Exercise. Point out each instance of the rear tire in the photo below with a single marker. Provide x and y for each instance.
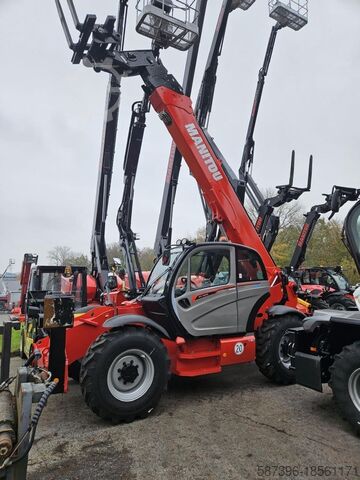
(342, 304)
(124, 373)
(345, 383)
(271, 356)
(319, 304)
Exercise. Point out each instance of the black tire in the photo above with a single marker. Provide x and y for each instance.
(74, 370)
(108, 395)
(319, 304)
(345, 383)
(269, 338)
(341, 303)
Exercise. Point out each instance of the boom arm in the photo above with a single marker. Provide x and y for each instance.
(131, 160)
(99, 260)
(334, 201)
(248, 152)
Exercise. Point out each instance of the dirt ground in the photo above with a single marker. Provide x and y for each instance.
(228, 426)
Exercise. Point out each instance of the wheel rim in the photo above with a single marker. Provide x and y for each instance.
(338, 306)
(130, 375)
(284, 351)
(354, 388)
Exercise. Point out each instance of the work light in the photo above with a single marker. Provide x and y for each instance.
(289, 13)
(170, 23)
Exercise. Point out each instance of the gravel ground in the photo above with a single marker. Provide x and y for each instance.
(225, 426)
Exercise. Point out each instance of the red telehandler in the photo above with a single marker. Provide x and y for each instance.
(326, 348)
(322, 287)
(203, 304)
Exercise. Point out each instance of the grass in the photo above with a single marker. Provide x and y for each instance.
(15, 341)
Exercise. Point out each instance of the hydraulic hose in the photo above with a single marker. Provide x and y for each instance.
(31, 431)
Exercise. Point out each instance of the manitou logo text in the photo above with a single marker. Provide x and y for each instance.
(204, 152)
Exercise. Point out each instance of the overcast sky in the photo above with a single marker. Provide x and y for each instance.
(51, 115)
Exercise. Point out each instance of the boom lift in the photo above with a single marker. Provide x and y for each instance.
(132, 154)
(99, 260)
(202, 111)
(326, 349)
(204, 304)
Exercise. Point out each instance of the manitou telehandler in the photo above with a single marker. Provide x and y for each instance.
(326, 348)
(322, 287)
(203, 304)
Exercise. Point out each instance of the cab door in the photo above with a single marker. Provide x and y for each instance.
(252, 287)
(204, 295)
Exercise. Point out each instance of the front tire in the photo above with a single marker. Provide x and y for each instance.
(345, 383)
(272, 357)
(124, 373)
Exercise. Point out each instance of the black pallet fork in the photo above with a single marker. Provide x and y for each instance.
(267, 224)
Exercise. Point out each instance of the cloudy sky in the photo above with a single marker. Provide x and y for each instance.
(51, 115)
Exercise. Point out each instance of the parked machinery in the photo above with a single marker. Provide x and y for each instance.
(326, 348)
(335, 291)
(203, 303)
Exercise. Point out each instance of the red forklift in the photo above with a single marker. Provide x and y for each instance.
(204, 304)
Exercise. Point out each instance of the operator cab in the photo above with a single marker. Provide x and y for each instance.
(214, 288)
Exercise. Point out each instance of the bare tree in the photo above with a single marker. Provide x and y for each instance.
(291, 214)
(62, 255)
(59, 255)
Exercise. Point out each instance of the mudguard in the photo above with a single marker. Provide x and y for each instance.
(280, 310)
(122, 320)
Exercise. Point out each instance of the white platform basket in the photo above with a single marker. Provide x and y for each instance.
(289, 13)
(169, 23)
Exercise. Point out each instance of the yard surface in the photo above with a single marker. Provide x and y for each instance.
(227, 426)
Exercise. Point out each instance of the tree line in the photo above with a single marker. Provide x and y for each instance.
(325, 248)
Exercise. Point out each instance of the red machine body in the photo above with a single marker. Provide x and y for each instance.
(197, 356)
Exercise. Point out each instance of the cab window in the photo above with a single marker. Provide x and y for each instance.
(209, 268)
(249, 266)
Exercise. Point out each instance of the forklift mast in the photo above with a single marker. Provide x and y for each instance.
(99, 260)
(333, 202)
(175, 110)
(28, 261)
